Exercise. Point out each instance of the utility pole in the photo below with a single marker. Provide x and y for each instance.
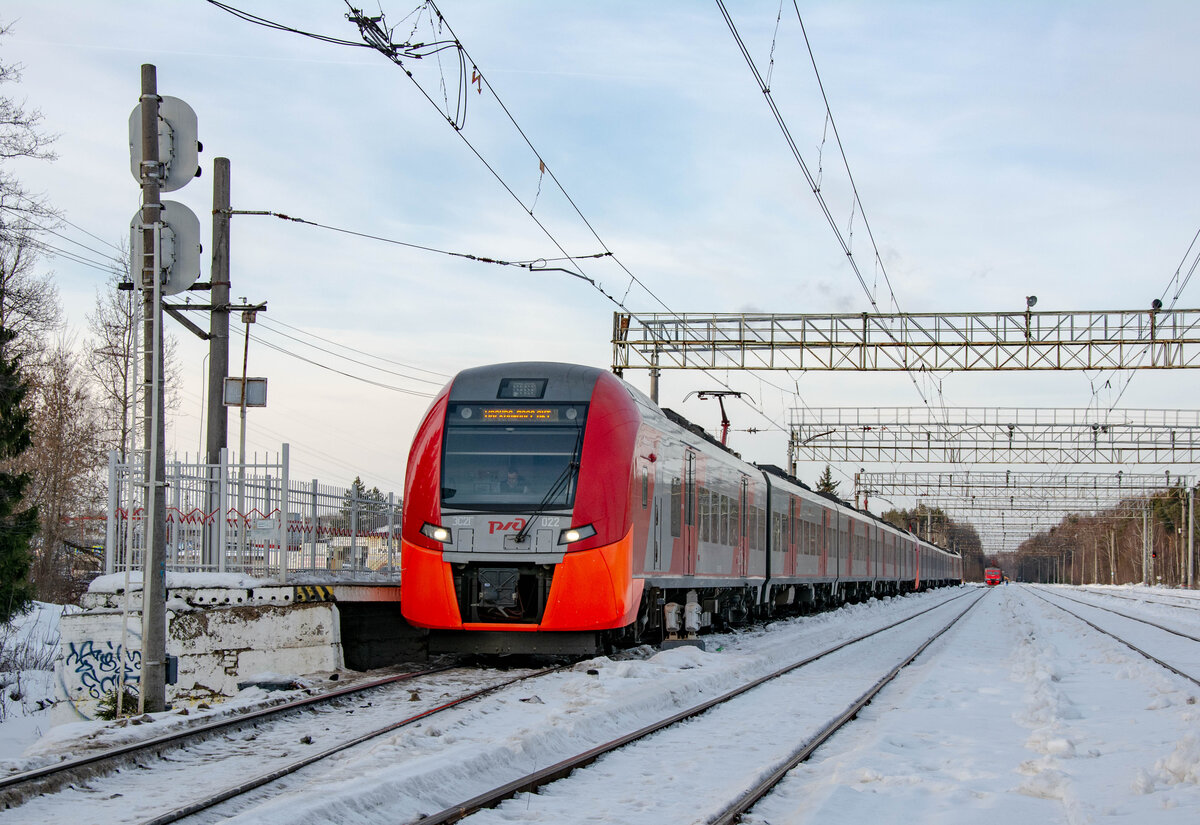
(152, 692)
(218, 323)
(1191, 551)
(218, 355)
(1145, 546)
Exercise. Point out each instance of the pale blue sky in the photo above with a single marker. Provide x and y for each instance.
(1000, 149)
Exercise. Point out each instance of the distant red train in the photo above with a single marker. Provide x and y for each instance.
(992, 576)
(552, 507)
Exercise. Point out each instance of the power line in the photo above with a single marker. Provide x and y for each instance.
(270, 321)
(380, 384)
(58, 252)
(91, 235)
(531, 264)
(355, 361)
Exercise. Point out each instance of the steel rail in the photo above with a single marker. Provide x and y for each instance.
(270, 776)
(1131, 618)
(745, 802)
(1127, 644)
(533, 781)
(1195, 603)
(19, 786)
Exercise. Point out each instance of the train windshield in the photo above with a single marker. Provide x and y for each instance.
(511, 457)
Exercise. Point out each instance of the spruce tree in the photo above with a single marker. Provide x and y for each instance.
(826, 484)
(17, 526)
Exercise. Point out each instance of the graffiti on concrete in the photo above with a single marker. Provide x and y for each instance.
(97, 666)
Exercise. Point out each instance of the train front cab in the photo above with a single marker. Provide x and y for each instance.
(550, 551)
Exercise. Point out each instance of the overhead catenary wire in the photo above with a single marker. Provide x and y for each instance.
(375, 32)
(1174, 299)
(781, 122)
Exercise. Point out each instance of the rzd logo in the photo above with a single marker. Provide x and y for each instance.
(506, 526)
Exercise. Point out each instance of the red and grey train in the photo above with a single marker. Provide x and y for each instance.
(553, 507)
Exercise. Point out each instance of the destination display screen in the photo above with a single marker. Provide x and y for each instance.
(517, 413)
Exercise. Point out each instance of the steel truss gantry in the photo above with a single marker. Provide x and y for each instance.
(1007, 507)
(1047, 485)
(1117, 339)
(995, 435)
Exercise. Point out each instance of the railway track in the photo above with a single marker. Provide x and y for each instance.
(86, 772)
(1182, 602)
(1139, 648)
(813, 740)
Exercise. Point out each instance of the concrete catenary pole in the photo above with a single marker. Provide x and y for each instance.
(1191, 553)
(218, 324)
(218, 357)
(1145, 546)
(152, 692)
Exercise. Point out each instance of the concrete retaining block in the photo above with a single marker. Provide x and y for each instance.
(217, 645)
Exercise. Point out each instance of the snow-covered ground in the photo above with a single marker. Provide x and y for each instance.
(28, 646)
(1020, 712)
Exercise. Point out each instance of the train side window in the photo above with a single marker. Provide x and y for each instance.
(645, 487)
(676, 507)
(703, 513)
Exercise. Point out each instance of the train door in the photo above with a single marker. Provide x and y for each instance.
(742, 552)
(846, 545)
(828, 551)
(656, 525)
(792, 542)
(690, 538)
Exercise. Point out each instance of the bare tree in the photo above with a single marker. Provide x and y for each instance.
(65, 464)
(112, 352)
(21, 136)
(110, 361)
(29, 303)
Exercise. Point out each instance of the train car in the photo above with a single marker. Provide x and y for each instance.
(554, 508)
(992, 576)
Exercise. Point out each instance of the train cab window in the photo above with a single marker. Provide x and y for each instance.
(512, 456)
(676, 507)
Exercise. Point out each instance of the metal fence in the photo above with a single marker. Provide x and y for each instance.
(234, 518)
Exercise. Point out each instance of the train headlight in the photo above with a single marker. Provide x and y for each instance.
(574, 534)
(436, 532)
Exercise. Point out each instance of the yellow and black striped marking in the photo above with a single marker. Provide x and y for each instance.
(313, 593)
